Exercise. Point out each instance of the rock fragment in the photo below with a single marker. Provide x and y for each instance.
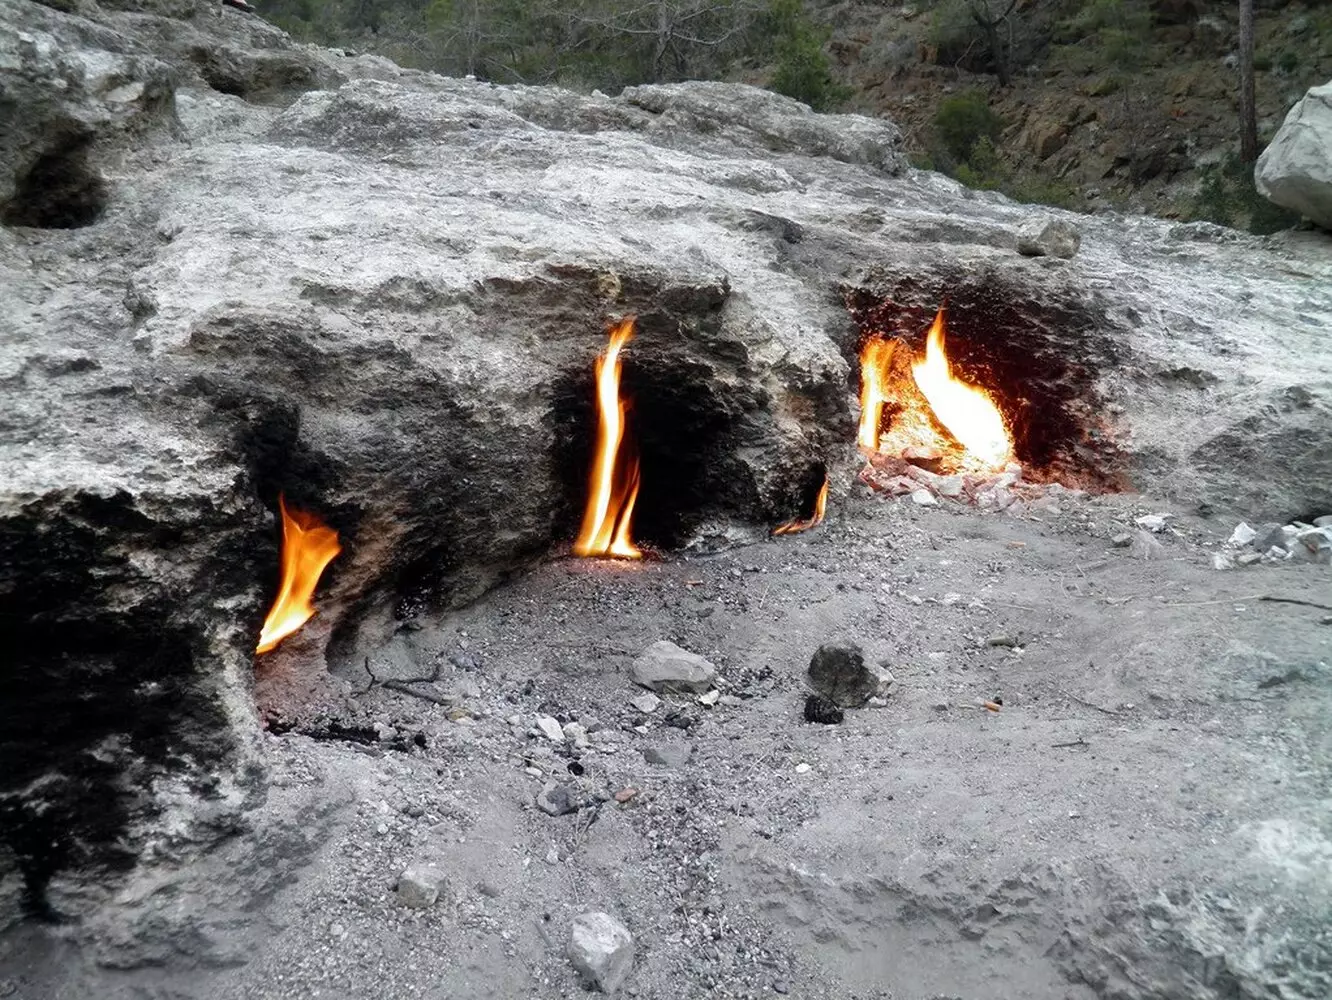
(669, 755)
(1050, 238)
(419, 885)
(646, 703)
(551, 729)
(839, 673)
(664, 666)
(822, 710)
(601, 950)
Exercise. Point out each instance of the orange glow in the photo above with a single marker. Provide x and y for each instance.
(308, 545)
(613, 486)
(968, 412)
(875, 359)
(804, 524)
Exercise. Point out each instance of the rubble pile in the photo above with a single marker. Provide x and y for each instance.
(1273, 543)
(990, 491)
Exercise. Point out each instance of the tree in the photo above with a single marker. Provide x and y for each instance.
(989, 16)
(1248, 113)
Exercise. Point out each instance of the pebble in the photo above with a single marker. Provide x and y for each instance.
(601, 950)
(924, 498)
(1122, 541)
(709, 699)
(669, 755)
(802, 769)
(1155, 523)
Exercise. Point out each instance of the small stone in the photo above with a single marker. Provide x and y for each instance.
(1006, 641)
(709, 699)
(562, 798)
(802, 769)
(601, 950)
(552, 856)
(1221, 560)
(535, 772)
(625, 794)
(1122, 541)
(1325, 620)
(418, 886)
(838, 672)
(924, 498)
(1053, 238)
(669, 754)
(822, 710)
(575, 733)
(1313, 545)
(1155, 523)
(1324, 521)
(1249, 558)
(949, 486)
(646, 703)
(1241, 536)
(550, 729)
(1145, 547)
(929, 459)
(664, 666)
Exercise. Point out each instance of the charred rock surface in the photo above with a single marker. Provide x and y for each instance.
(383, 299)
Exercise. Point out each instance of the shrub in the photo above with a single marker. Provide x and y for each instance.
(1262, 62)
(1287, 62)
(1228, 197)
(963, 120)
(803, 69)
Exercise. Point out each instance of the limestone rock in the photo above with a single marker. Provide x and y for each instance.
(1295, 170)
(601, 950)
(419, 886)
(1053, 238)
(664, 666)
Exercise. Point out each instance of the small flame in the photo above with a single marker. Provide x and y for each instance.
(804, 524)
(968, 412)
(875, 360)
(308, 545)
(614, 483)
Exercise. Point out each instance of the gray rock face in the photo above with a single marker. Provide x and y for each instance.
(601, 950)
(229, 274)
(838, 672)
(1295, 170)
(664, 666)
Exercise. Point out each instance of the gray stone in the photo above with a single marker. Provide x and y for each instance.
(924, 498)
(669, 754)
(646, 703)
(419, 886)
(601, 950)
(1295, 170)
(1145, 546)
(550, 728)
(561, 798)
(664, 666)
(838, 672)
(1122, 540)
(1313, 545)
(1053, 238)
(1325, 521)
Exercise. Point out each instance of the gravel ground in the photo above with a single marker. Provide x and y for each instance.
(1146, 815)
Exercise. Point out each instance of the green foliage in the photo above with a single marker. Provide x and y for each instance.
(1288, 62)
(963, 120)
(1121, 29)
(1262, 62)
(803, 71)
(1227, 196)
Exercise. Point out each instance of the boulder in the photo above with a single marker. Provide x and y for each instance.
(1053, 238)
(1295, 170)
(838, 672)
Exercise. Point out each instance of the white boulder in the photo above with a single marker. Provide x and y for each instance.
(1295, 171)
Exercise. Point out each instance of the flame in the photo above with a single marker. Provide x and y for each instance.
(308, 545)
(804, 524)
(610, 502)
(968, 412)
(875, 359)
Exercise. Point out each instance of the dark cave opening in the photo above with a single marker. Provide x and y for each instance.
(61, 190)
(684, 432)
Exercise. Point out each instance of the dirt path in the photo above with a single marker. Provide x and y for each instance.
(1145, 817)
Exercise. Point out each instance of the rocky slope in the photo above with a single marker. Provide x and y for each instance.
(234, 267)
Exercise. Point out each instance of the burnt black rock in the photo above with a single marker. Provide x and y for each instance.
(821, 709)
(839, 673)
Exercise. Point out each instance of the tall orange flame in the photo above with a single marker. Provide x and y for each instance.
(875, 360)
(613, 487)
(968, 412)
(308, 546)
(805, 523)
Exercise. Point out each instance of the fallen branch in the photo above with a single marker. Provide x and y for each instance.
(1295, 600)
(1092, 704)
(434, 699)
(1079, 742)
